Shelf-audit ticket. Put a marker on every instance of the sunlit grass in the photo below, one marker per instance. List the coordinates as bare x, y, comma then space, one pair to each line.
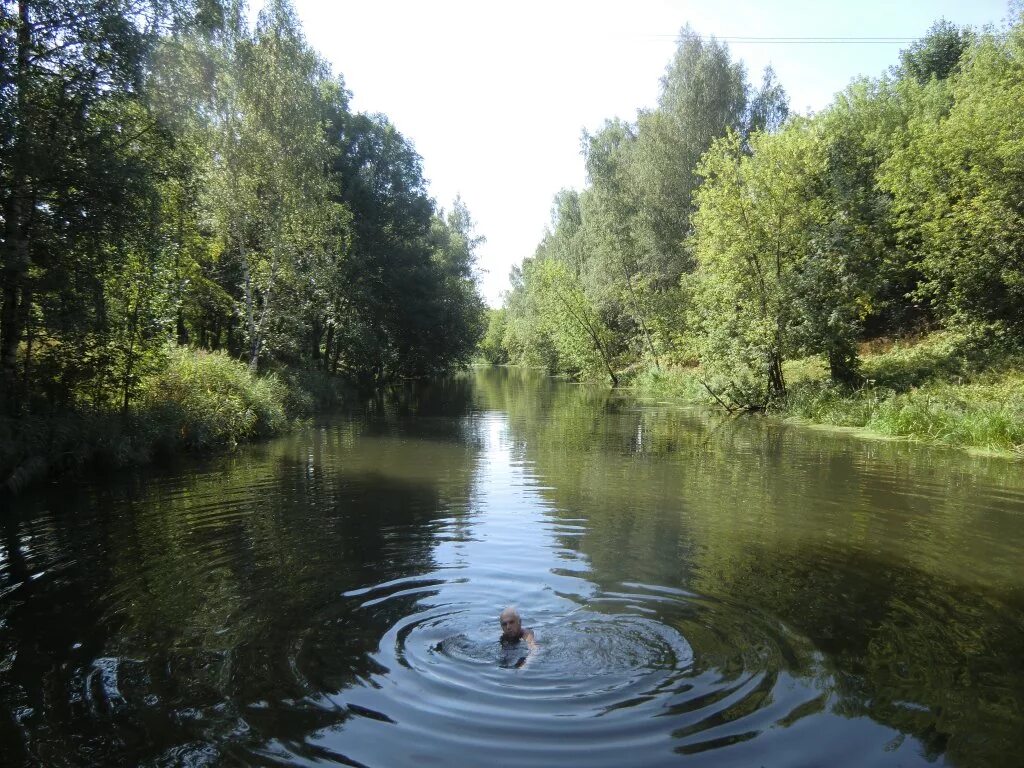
667, 383
947, 388
987, 414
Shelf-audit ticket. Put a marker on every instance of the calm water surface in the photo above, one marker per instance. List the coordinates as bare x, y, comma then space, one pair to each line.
705, 591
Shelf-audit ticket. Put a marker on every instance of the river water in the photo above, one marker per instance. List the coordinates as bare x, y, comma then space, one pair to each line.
705, 590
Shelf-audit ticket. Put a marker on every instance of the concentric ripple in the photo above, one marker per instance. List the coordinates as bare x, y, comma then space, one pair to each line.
638, 666
587, 646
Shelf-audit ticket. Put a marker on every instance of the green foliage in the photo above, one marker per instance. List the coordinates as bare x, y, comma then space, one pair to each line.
208, 399
626, 237
213, 188
682, 384
527, 337
719, 237
767, 106
269, 196
492, 346
770, 279
197, 400
552, 320
80, 162
703, 95
406, 304
170, 174
580, 336
955, 388
309, 391
937, 55
957, 188
862, 128
615, 272
947, 356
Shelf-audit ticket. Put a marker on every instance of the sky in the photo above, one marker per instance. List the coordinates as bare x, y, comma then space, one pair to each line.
495, 95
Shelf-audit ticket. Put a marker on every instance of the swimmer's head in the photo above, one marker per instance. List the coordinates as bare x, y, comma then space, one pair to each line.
511, 624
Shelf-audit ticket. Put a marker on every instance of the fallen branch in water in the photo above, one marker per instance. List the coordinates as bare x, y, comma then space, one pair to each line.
714, 395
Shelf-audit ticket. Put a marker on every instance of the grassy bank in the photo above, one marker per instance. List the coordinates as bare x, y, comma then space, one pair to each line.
947, 388
199, 401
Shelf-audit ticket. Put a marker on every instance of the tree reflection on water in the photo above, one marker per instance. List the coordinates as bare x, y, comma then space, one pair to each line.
900, 564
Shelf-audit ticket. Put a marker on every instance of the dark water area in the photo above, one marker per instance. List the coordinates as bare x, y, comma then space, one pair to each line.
705, 591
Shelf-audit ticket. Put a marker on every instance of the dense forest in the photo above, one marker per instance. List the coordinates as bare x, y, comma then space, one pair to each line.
190, 206
720, 233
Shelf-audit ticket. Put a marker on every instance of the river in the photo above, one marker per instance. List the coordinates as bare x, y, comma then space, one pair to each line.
705, 590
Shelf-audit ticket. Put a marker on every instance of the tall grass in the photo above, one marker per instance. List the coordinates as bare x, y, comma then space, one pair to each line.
962, 389
681, 384
987, 414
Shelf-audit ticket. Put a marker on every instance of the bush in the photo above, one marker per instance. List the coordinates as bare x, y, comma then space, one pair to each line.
207, 399
199, 400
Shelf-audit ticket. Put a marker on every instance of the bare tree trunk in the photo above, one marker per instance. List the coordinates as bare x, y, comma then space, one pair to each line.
29, 338
129, 363
327, 344
250, 316
776, 380
842, 364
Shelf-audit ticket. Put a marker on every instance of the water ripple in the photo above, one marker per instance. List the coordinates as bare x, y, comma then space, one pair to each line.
637, 665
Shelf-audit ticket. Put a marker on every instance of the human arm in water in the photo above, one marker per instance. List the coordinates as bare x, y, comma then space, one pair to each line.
532, 649
530, 639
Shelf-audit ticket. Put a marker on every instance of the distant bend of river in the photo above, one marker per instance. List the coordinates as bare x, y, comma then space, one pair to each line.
705, 591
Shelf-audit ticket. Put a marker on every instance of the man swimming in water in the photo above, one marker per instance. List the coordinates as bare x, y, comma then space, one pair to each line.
512, 629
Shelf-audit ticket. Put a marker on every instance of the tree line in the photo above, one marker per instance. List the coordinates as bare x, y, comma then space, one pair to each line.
719, 229
172, 174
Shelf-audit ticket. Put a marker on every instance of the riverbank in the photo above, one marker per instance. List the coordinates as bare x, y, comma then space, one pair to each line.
200, 401
947, 388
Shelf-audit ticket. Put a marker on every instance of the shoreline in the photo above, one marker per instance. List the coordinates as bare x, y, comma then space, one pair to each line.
861, 433
203, 403
982, 416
